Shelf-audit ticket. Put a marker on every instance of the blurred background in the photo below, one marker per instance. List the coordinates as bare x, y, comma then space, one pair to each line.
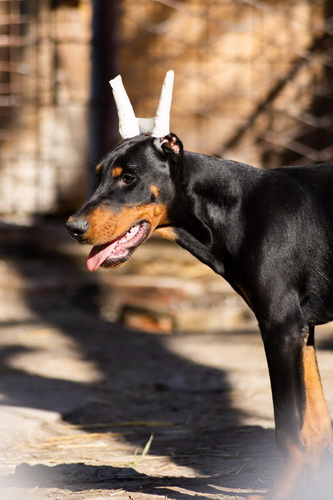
253, 83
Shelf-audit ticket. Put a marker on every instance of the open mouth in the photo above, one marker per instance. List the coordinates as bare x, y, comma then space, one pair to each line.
118, 251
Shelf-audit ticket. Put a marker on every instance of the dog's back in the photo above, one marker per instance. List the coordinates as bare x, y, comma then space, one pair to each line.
268, 232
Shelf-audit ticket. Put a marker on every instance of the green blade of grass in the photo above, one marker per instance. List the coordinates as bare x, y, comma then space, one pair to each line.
145, 451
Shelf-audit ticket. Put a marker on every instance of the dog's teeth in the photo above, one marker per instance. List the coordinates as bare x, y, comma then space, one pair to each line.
117, 249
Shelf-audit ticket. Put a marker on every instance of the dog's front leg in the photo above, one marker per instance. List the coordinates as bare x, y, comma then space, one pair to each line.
303, 427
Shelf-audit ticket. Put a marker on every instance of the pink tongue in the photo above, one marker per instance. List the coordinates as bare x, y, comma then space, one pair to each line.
97, 256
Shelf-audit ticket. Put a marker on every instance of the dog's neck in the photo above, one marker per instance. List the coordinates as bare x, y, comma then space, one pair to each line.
202, 215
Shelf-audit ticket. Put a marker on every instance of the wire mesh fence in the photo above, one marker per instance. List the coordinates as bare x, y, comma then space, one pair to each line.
254, 78
44, 100
254, 82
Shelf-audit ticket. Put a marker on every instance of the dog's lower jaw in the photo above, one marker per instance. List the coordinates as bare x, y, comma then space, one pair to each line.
119, 250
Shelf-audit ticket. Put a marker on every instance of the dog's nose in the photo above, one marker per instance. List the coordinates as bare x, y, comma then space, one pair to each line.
77, 227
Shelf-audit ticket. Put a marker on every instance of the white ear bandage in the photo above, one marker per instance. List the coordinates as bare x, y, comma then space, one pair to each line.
129, 125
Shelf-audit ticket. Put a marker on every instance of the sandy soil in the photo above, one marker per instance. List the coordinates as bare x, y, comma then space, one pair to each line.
92, 410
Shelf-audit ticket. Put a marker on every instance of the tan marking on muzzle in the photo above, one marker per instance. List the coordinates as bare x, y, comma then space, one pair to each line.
106, 226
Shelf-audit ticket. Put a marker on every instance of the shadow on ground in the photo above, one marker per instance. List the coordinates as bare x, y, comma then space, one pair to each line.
142, 389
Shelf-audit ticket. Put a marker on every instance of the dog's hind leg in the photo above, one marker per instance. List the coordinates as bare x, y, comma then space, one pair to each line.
303, 427
316, 432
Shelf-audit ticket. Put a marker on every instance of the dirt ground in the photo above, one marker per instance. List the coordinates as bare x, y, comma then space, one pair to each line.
92, 410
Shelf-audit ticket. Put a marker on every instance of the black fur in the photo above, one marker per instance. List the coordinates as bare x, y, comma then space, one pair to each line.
269, 233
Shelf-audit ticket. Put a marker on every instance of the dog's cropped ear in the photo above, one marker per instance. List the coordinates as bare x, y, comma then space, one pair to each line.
171, 146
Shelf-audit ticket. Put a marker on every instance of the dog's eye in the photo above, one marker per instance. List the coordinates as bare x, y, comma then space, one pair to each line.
128, 179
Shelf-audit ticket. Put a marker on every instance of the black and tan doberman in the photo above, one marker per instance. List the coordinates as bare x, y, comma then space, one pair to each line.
269, 233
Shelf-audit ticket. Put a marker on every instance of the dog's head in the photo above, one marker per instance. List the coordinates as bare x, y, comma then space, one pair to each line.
135, 189
135, 184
